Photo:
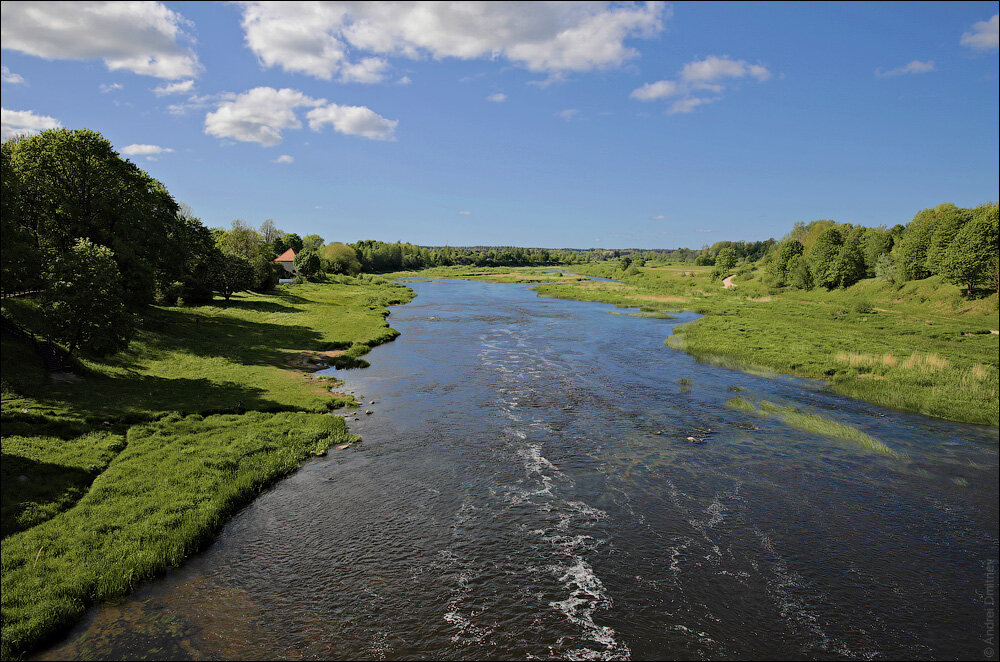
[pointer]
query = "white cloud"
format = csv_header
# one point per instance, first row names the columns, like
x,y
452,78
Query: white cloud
x,y
711,76
464,213
658,217
568,114
661,89
15,123
110,87
915,67
714,69
499,97
701,230
141,37
985,35
284,159
319,39
182,87
9,77
144,150
405,80
258,115
688,104
353,121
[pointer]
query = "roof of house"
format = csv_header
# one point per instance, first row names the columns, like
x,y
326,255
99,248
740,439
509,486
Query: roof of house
x,y
287,256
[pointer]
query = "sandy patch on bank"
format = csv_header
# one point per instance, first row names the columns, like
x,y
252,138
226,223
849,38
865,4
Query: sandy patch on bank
x,y
311,361
727,282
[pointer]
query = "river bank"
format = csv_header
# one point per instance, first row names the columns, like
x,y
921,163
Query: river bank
x,y
114,476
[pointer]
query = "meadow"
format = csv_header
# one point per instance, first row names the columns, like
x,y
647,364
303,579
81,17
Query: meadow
x,y
134,462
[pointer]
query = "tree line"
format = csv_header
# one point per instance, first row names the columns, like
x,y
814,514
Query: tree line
x,y
959,244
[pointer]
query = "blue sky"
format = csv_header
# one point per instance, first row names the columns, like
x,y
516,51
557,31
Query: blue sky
x,y
558,125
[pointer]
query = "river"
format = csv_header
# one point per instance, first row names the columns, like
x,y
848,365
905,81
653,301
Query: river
x,y
546,479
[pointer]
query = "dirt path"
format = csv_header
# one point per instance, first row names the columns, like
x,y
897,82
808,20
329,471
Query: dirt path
x,y
728,282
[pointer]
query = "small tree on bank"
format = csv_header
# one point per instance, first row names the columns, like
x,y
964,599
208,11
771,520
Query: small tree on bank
x,y
307,263
84,301
230,274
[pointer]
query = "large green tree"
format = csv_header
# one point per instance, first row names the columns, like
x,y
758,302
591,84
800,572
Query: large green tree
x,y
72,184
822,258
84,300
971,257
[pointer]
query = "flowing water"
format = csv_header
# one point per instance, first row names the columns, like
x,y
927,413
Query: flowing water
x,y
544,479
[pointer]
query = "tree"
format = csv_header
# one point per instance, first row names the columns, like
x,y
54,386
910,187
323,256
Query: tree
x,y
269,231
874,243
971,258
307,263
885,268
799,275
18,254
778,267
947,223
822,258
341,259
725,261
72,184
312,242
245,242
84,301
849,265
231,273
911,252
293,241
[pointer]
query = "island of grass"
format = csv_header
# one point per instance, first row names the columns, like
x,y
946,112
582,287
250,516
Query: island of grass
x,y
135,461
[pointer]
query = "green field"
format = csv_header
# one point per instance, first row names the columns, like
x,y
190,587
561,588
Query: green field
x,y
119,473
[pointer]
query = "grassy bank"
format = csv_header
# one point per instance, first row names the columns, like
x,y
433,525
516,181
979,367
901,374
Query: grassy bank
x,y
918,346
120,472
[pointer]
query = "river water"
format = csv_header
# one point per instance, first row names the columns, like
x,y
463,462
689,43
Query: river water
x,y
546,479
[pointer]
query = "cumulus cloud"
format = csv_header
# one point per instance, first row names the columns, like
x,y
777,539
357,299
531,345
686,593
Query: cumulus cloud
x,y
10,77
182,87
261,114
698,80
464,213
142,37
499,97
284,159
568,114
915,67
324,39
353,121
144,150
110,87
661,89
984,36
658,217
258,115
15,123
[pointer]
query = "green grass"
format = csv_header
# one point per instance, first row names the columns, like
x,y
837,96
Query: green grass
x,y
813,423
919,346
110,479
161,499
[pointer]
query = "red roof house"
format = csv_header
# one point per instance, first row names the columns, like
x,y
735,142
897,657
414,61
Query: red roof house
x,y
287,260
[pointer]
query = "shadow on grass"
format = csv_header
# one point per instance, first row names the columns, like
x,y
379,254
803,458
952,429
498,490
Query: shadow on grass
x,y
41,487
136,397
239,341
